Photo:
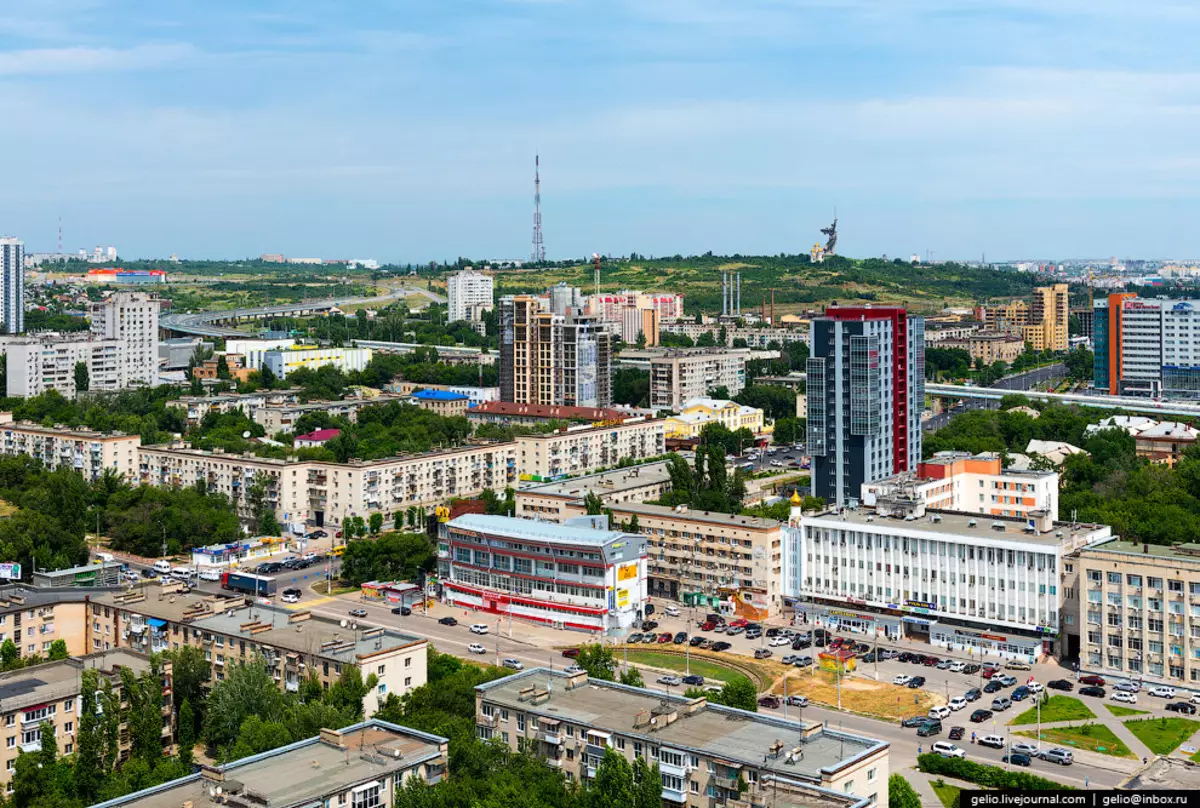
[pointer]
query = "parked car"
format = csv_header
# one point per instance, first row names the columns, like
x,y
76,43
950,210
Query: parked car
x,y
448,621
1001,704
287,597
1023,748
1122,696
939,712
649,637
947,749
707,626
914,721
476,648
957,703
669,680
916,682
671,611
1035,686
1021,693
979,716
763,653
666,636
902,679
1162,692
957,667
681,638
797,701
993,741
944,665
1016,759
1006,680
770,702
721,646
992,687
972,668
778,641
649,625
634,637
572,669
956,733
1061,684
1018,665
512,664
973,694
801,643
788,659
1128,687
1062,757
1184,707
1092,679
803,662
695,641
733,631
1092,690
571,653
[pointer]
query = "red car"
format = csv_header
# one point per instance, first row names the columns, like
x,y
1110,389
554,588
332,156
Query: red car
x,y
931,661
666,636
837,642
741,621
1092,680
707,626
988,673
571,653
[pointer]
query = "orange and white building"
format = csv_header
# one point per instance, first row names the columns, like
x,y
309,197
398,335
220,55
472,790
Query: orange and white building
x,y
959,481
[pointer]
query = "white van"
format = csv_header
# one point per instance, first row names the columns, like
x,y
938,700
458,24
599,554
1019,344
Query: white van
x,y
162,567
671,611
210,575
106,557
183,573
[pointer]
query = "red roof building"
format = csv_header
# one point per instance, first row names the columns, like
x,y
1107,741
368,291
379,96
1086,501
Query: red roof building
x,y
317,438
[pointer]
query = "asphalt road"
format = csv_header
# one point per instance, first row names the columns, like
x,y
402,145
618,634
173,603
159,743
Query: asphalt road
x,y
1017,383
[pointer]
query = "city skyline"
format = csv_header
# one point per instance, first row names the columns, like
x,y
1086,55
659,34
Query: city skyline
x,y
662,127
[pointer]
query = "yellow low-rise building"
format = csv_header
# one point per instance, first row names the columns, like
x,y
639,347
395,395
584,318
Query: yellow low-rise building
x,y
697,412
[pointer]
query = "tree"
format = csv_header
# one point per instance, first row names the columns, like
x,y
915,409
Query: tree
x,y
8,653
82,377
648,788
190,674
632,677
641,339
597,660
376,523
391,557
186,732
740,692
901,794
631,386
267,377
788,430
247,690
223,368
613,787
263,511
593,503
58,650
89,745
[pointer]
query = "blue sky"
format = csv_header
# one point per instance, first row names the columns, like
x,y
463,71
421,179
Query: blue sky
x,y
406,130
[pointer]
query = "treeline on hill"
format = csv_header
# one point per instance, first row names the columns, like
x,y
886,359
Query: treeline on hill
x,y
393,324
793,278
1111,485
54,509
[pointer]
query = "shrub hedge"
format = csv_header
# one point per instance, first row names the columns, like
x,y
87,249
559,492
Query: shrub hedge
x,y
986,776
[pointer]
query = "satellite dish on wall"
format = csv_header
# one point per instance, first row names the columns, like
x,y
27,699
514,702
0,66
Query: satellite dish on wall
x,y
246,434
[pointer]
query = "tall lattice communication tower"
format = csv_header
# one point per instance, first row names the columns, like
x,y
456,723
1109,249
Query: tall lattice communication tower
x,y
539,249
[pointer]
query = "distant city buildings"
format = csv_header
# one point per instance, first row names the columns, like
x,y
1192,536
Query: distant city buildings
x,y
12,285
553,359
697,413
283,361
126,276
587,449
469,294
866,391
681,374
1043,322
633,313
753,336
1147,347
987,347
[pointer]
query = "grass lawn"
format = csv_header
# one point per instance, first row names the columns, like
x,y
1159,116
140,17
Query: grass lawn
x,y
321,587
859,695
709,670
946,793
1121,712
1162,735
1093,737
1058,708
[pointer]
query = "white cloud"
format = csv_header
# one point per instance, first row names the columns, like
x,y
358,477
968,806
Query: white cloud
x,y
58,61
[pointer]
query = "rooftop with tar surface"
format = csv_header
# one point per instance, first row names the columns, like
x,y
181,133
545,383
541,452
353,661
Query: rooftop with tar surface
x,y
722,733
532,530
300,774
606,482
51,682
967,526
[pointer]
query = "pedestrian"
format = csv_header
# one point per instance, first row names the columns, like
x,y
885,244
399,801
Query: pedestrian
x,y
972,737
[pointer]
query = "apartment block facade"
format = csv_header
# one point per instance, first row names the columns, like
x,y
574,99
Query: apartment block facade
x,y
327,493
36,365
130,318
550,501
686,373
88,452
553,359
468,292
703,558
12,284
707,754
866,391
588,449
294,644
1147,347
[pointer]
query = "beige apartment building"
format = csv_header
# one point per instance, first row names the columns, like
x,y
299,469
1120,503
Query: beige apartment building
x,y
687,373
248,404
50,693
550,502
588,449
987,347
1049,316
294,644
1139,611
283,417
708,558
361,766
707,755
88,452
34,618
327,493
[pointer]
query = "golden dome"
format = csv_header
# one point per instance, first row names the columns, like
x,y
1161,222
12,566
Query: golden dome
x,y
796,498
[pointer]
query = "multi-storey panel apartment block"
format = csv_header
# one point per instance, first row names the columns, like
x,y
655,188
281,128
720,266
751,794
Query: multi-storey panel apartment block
x,y
588,449
90,453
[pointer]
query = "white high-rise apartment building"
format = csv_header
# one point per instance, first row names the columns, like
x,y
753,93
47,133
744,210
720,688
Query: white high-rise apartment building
x,y
132,319
38,365
467,290
12,284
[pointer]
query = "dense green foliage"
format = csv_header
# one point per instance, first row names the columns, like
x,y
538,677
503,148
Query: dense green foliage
x,y
143,412
984,775
706,486
631,386
739,692
901,794
773,400
391,557
38,320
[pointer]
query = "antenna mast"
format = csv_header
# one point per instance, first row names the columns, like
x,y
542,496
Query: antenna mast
x,y
538,254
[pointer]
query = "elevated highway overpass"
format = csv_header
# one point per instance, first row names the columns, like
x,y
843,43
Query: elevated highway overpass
x,y
1127,403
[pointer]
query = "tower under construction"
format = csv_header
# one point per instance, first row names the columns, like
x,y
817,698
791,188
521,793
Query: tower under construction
x,y
538,254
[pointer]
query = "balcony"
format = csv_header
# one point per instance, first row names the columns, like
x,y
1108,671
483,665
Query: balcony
x,y
555,738
32,746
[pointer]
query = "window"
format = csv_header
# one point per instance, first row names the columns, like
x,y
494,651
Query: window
x,y
871,775
407,663
366,797
408,681
380,670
